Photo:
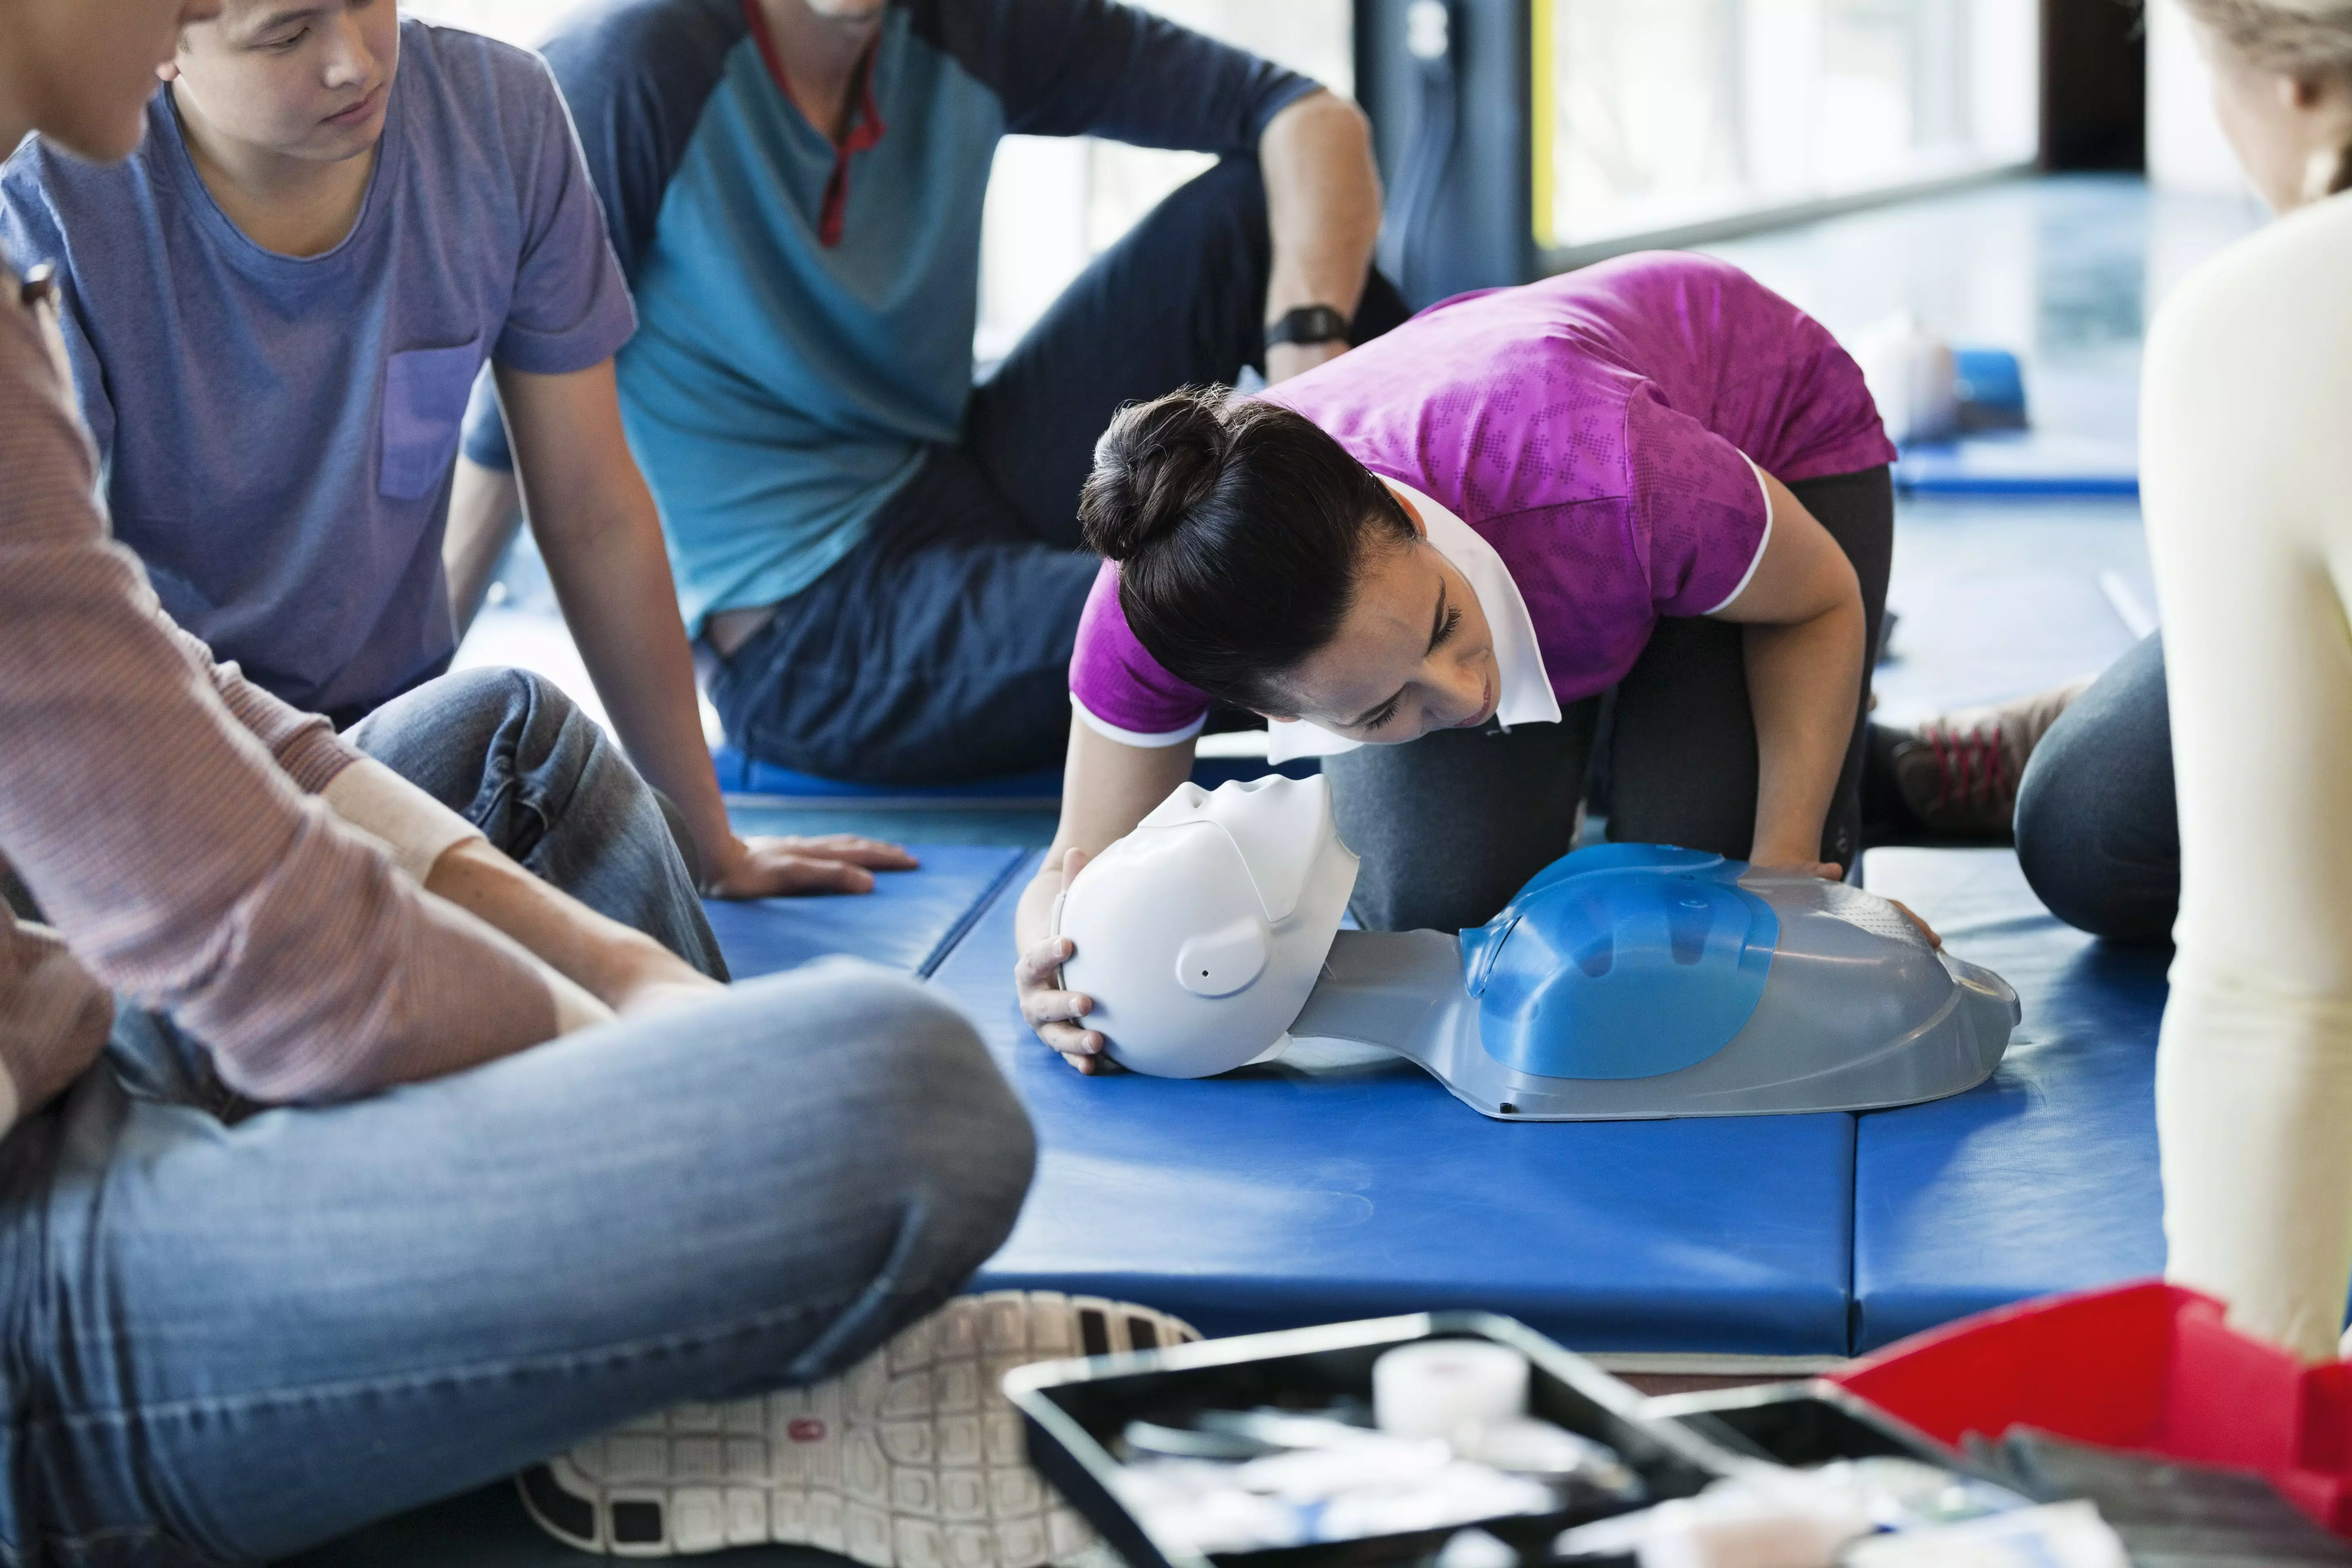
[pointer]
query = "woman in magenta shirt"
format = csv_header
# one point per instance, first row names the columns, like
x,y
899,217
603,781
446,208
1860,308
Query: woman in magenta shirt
x,y
1429,562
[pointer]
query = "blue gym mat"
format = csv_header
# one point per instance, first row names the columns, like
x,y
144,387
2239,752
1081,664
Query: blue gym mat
x,y
909,921
1274,1197
742,774
756,785
2044,1178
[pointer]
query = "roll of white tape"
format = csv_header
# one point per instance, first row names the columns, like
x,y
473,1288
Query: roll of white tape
x,y
1430,1387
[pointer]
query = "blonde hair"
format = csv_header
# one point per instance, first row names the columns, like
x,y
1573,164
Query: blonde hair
x,y
2281,35
2302,36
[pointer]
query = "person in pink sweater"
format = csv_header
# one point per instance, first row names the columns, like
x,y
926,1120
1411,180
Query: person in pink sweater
x,y
347,1163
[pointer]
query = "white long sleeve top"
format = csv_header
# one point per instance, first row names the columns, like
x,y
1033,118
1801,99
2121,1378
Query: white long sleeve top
x,y
2247,485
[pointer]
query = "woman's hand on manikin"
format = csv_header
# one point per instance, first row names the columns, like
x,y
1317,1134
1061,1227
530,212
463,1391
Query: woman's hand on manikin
x,y
1827,870
1831,871
1057,1015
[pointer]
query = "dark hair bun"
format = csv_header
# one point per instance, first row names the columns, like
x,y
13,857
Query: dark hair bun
x,y
1156,462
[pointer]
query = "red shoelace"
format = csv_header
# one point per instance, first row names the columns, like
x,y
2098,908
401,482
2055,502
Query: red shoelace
x,y
1972,768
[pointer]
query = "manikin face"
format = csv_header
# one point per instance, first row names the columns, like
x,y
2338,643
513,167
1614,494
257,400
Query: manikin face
x,y
84,70
301,78
2288,131
1415,653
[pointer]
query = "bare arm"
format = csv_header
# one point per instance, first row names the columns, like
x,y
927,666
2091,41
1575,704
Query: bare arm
x,y
597,528
485,506
1107,788
1323,204
1804,619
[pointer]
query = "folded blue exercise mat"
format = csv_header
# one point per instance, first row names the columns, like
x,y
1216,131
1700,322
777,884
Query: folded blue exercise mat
x,y
910,921
2024,463
2044,1178
2081,443
1316,1191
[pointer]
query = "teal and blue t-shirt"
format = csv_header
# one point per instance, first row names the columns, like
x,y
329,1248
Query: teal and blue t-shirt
x,y
806,310
278,433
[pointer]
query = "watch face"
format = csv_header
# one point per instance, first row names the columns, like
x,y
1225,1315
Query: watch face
x,y
1308,324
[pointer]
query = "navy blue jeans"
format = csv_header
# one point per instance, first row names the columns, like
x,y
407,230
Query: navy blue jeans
x,y
227,1333
939,649
2098,833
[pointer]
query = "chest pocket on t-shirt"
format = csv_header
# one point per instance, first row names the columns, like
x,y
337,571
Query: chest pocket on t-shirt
x,y
425,393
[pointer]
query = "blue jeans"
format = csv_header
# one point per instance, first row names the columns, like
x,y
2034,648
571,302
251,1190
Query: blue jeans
x,y
2098,834
227,1333
937,649
514,756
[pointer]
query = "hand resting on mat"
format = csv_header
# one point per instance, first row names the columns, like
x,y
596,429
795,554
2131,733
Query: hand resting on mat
x,y
767,868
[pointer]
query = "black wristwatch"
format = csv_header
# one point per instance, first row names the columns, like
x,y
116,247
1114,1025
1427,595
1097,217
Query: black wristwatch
x,y
1308,324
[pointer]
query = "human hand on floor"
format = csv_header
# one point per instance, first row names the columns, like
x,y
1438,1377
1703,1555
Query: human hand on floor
x,y
770,867
1056,1014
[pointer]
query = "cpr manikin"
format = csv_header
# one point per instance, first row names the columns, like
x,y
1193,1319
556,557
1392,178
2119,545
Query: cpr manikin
x,y
1623,981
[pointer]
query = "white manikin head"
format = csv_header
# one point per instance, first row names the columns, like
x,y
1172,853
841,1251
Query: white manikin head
x,y
1200,934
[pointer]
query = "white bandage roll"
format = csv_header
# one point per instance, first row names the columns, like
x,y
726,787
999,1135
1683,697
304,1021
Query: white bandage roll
x,y
1429,1388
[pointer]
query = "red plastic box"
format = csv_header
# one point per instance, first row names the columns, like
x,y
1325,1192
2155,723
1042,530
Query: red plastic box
x,y
2149,1367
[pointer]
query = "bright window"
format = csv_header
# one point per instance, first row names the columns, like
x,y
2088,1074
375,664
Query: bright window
x,y
1659,114
1055,202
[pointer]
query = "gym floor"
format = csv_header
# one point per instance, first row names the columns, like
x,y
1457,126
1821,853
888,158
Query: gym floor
x,y
1996,596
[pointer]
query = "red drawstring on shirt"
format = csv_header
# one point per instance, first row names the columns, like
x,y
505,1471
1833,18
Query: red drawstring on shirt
x,y
865,127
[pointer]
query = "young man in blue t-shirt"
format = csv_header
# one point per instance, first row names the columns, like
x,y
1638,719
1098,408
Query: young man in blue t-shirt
x,y
881,558
274,314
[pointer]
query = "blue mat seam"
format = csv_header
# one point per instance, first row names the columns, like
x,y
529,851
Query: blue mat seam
x,y
945,947
1853,1237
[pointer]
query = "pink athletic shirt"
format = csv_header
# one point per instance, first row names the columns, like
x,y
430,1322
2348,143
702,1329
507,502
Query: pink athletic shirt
x,y
1591,428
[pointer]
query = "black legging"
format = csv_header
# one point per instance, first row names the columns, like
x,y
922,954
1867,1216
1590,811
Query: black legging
x,y
1448,826
2097,832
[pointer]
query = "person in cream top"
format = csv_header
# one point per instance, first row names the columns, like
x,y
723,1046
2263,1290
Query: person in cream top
x,y
2247,484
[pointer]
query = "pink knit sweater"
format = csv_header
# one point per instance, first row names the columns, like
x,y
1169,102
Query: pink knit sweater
x,y
161,810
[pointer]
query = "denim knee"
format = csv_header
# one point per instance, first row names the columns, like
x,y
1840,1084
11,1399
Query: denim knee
x,y
470,704
926,1111
443,735
2097,837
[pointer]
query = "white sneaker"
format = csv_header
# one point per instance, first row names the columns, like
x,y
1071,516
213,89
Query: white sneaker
x,y
912,1458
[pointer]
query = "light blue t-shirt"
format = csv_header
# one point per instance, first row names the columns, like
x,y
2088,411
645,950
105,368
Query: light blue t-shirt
x,y
278,433
807,308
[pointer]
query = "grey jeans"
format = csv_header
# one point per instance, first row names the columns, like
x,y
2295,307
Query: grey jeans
x,y
227,1333
1450,825
2098,831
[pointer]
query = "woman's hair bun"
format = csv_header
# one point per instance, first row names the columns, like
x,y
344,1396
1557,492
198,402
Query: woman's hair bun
x,y
1156,462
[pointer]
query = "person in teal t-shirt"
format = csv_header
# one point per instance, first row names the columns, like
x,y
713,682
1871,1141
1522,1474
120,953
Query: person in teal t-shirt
x,y
879,558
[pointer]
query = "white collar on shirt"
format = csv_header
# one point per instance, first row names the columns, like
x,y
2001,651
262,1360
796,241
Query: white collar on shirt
x,y
1527,689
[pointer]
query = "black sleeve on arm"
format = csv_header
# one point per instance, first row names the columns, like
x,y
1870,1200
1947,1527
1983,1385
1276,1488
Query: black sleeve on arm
x,y
1094,68
637,75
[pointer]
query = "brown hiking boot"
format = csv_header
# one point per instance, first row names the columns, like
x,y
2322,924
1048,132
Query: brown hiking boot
x,y
1959,772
